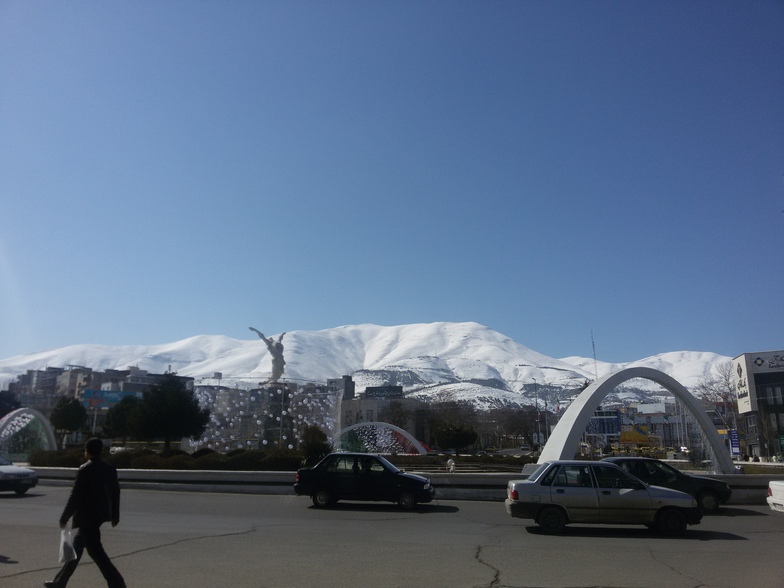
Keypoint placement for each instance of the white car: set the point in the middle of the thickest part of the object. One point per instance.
(597, 492)
(776, 495)
(16, 479)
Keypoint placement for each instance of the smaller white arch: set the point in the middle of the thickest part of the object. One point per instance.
(8, 420)
(417, 445)
(566, 435)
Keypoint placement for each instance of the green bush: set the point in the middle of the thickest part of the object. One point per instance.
(202, 451)
(124, 459)
(210, 461)
(203, 459)
(282, 461)
(60, 458)
(148, 462)
(173, 453)
(245, 461)
(181, 461)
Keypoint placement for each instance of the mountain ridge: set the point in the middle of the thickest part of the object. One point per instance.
(464, 359)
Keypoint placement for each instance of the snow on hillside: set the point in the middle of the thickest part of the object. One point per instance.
(688, 367)
(462, 360)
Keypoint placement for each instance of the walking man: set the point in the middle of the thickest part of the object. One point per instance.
(94, 500)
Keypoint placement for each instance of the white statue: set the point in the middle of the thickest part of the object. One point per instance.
(276, 351)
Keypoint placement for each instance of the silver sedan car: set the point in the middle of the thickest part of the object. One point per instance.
(563, 492)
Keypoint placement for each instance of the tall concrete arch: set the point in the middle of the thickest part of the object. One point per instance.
(565, 438)
(21, 418)
(416, 444)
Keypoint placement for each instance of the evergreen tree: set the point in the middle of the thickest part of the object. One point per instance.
(168, 411)
(118, 419)
(314, 445)
(8, 402)
(67, 416)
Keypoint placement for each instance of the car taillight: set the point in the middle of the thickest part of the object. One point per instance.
(770, 492)
(297, 479)
(513, 494)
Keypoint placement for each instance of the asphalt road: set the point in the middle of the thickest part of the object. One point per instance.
(173, 539)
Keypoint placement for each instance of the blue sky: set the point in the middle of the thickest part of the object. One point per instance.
(548, 169)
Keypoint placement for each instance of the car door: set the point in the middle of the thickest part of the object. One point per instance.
(622, 499)
(343, 475)
(572, 487)
(375, 481)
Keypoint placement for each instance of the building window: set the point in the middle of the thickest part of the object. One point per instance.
(751, 424)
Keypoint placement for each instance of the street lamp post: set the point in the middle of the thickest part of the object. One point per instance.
(538, 419)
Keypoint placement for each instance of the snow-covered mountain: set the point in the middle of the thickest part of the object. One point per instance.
(457, 360)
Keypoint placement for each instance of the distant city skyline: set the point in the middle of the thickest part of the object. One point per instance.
(549, 170)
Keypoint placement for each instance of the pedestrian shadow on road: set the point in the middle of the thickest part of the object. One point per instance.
(636, 533)
(7, 560)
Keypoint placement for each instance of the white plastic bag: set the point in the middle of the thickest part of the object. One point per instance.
(67, 552)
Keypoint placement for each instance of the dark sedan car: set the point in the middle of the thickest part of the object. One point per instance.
(710, 493)
(361, 476)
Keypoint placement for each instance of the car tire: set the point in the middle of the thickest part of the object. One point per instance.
(552, 520)
(672, 522)
(322, 499)
(708, 501)
(407, 501)
(20, 491)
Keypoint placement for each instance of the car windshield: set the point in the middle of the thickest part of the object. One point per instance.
(4, 461)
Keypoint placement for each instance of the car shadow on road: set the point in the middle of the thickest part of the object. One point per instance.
(11, 496)
(383, 507)
(636, 533)
(730, 511)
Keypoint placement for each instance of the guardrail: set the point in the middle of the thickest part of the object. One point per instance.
(746, 488)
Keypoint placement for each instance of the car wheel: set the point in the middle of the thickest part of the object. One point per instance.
(322, 499)
(20, 491)
(552, 520)
(407, 501)
(672, 522)
(708, 501)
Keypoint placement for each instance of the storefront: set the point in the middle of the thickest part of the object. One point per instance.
(759, 385)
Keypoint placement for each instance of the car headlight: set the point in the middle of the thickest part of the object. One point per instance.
(426, 486)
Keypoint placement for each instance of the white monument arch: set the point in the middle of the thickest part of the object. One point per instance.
(566, 436)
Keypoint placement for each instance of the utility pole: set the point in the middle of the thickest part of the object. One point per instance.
(538, 420)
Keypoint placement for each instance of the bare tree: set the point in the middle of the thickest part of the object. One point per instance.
(396, 414)
(767, 429)
(718, 392)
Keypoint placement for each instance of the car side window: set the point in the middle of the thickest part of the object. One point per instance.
(372, 467)
(573, 475)
(332, 465)
(609, 477)
(662, 472)
(342, 465)
(547, 479)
